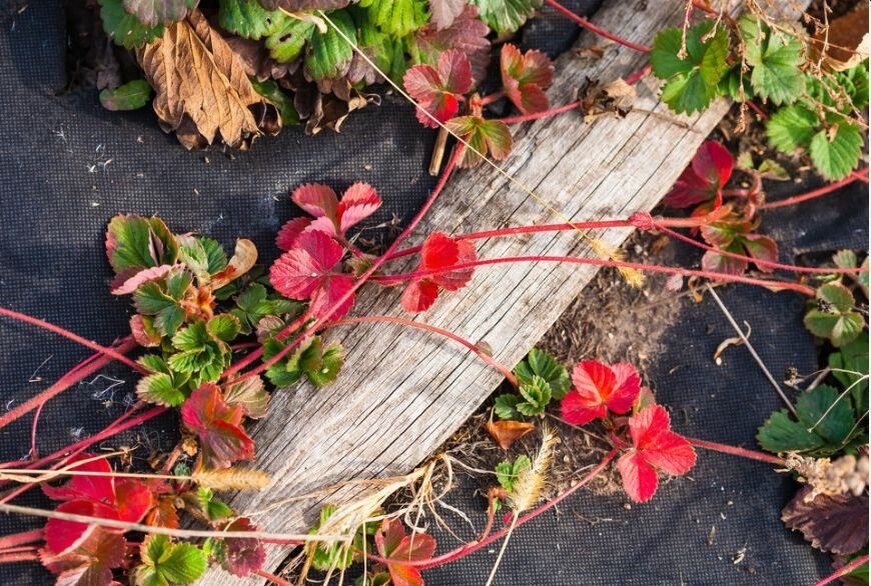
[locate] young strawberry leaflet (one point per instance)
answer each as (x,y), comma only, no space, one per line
(394,544)
(217,426)
(599,388)
(704,179)
(525,77)
(485,136)
(439,91)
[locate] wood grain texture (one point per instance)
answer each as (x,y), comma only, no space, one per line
(402,393)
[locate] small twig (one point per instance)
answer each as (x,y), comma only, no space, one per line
(438,152)
(752,350)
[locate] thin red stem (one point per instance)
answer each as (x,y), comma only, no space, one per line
(394,279)
(595,29)
(824,190)
(272,578)
(506,372)
(757,261)
(844,571)
(736,451)
(449,167)
(253,356)
(545,114)
(86,368)
(491,98)
(473,547)
(635,77)
(74,337)
(759,112)
(16,539)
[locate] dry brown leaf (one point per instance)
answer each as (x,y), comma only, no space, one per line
(202,91)
(506,433)
(243,260)
(845,42)
(838,524)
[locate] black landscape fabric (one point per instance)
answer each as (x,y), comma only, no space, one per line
(67,166)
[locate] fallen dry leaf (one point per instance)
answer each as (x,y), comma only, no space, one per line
(506,433)
(243,260)
(838,524)
(845,43)
(202,91)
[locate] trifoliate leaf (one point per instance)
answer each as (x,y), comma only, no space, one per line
(250,394)
(507,473)
(130,96)
(134,243)
(775,58)
(124,28)
(506,16)
(269,89)
(506,407)
(203,355)
(488,137)
(157,12)
(253,305)
(247,19)
(397,17)
(849,366)
(835,152)
(164,562)
(160,389)
(791,128)
(834,317)
(329,55)
(692,82)
(287,42)
(537,395)
(162,299)
(217,427)
(829,415)
(467,34)
(540,363)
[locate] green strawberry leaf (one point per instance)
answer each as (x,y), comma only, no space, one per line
(164,562)
(507,473)
(333,555)
(505,16)
(124,28)
(835,152)
(506,407)
(160,388)
(329,55)
(134,243)
(692,82)
(331,363)
(485,136)
(250,394)
(225,327)
(202,355)
(396,17)
(162,298)
(782,434)
(537,395)
(214,509)
(829,415)
(853,358)
(544,365)
(130,96)
(834,317)
(249,20)
(775,58)
(791,128)
(288,41)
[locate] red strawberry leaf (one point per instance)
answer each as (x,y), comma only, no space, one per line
(217,426)
(66,536)
(91,488)
(91,563)
(467,33)
(358,203)
(439,251)
(704,178)
(762,248)
(484,136)
(718,263)
(299,272)
(290,232)
(599,388)
(316,199)
(525,76)
(654,446)
(242,555)
(394,544)
(439,91)
(133,499)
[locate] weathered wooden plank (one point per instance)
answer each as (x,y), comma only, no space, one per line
(402,393)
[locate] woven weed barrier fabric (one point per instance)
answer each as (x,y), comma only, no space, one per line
(67,166)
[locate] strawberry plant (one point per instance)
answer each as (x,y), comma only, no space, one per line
(755,58)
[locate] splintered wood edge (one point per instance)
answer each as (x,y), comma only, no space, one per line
(402,393)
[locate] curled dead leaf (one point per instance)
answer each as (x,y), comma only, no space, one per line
(736,341)
(243,260)
(203,93)
(845,43)
(838,524)
(506,433)
(612,99)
